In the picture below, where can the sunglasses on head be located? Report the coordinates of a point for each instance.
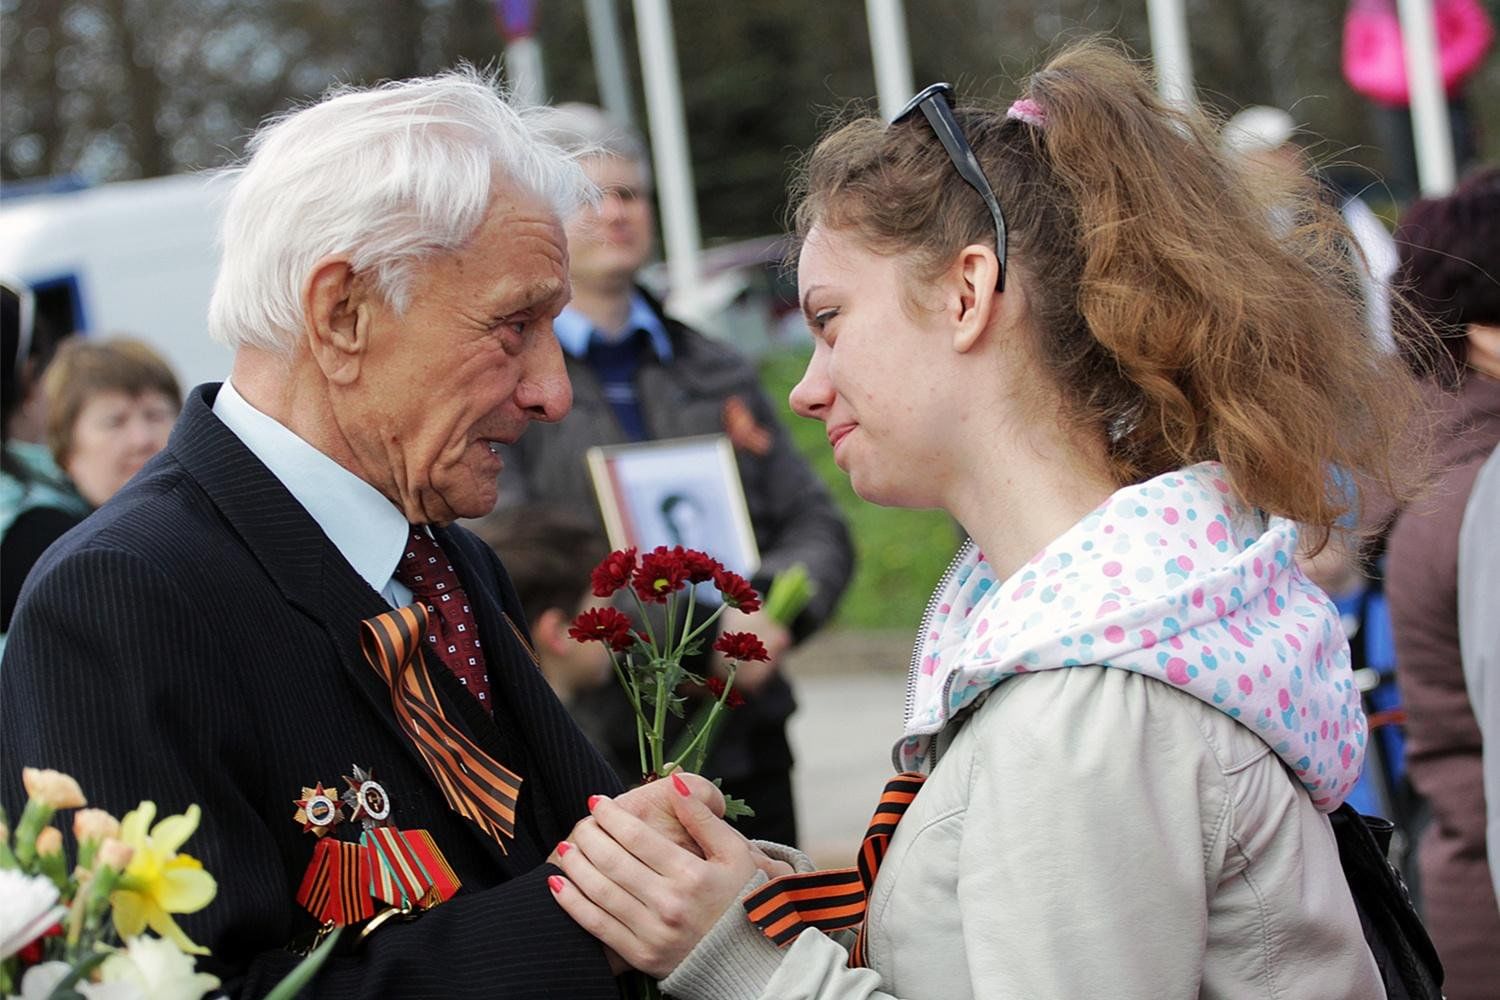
(935, 103)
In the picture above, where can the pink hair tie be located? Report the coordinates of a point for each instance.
(1028, 111)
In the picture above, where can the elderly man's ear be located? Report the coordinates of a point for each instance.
(337, 306)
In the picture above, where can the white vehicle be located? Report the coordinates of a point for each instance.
(134, 257)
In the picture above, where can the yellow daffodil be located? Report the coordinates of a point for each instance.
(158, 881)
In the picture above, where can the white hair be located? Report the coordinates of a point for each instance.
(390, 176)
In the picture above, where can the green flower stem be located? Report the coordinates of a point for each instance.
(627, 681)
(33, 818)
(707, 622)
(86, 851)
(55, 867)
(687, 620)
(105, 881)
(686, 758)
(660, 722)
(671, 626)
(645, 618)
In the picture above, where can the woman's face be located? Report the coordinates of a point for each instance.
(879, 379)
(114, 435)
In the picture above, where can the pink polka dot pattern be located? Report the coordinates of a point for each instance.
(1174, 579)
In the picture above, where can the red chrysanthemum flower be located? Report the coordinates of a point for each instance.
(613, 573)
(715, 687)
(744, 646)
(701, 567)
(736, 591)
(662, 572)
(607, 625)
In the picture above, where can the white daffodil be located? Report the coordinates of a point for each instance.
(158, 969)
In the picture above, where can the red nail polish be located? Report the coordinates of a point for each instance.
(554, 883)
(681, 786)
(563, 848)
(594, 801)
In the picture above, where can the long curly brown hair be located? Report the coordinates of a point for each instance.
(1186, 311)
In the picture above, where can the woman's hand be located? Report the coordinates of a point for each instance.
(647, 899)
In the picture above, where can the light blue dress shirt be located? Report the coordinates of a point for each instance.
(574, 330)
(368, 530)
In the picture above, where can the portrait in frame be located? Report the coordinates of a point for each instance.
(681, 491)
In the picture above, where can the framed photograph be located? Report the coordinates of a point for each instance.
(684, 491)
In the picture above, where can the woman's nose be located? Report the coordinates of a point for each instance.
(813, 393)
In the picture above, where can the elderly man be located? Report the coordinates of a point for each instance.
(638, 375)
(228, 630)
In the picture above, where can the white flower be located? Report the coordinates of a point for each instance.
(30, 908)
(40, 980)
(158, 969)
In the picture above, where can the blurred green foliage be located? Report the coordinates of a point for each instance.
(901, 553)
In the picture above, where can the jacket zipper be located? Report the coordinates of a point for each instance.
(916, 651)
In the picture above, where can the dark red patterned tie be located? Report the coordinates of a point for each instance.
(453, 634)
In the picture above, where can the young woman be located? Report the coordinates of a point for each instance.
(1132, 712)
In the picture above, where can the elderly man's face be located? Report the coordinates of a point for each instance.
(465, 368)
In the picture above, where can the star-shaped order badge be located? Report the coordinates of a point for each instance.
(366, 799)
(318, 810)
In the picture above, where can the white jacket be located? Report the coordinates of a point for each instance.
(1129, 826)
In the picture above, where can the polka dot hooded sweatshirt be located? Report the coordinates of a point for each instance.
(1176, 579)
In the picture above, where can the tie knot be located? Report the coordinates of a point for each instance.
(424, 567)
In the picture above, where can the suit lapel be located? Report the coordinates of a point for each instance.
(307, 568)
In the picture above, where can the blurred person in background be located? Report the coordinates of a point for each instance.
(549, 554)
(110, 408)
(37, 504)
(1450, 271)
(1129, 715)
(638, 375)
(1264, 138)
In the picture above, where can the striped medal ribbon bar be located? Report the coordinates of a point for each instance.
(475, 785)
(834, 900)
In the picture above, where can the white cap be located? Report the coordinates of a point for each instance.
(1257, 129)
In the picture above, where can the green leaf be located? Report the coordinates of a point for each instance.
(299, 977)
(735, 808)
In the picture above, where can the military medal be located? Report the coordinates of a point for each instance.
(389, 867)
(334, 889)
(318, 811)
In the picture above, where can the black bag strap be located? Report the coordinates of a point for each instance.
(1409, 964)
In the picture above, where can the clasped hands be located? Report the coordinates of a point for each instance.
(649, 873)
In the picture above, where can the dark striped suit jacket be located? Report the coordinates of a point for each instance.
(197, 640)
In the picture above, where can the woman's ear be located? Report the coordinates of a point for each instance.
(336, 306)
(976, 272)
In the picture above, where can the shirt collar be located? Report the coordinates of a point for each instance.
(574, 330)
(367, 529)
